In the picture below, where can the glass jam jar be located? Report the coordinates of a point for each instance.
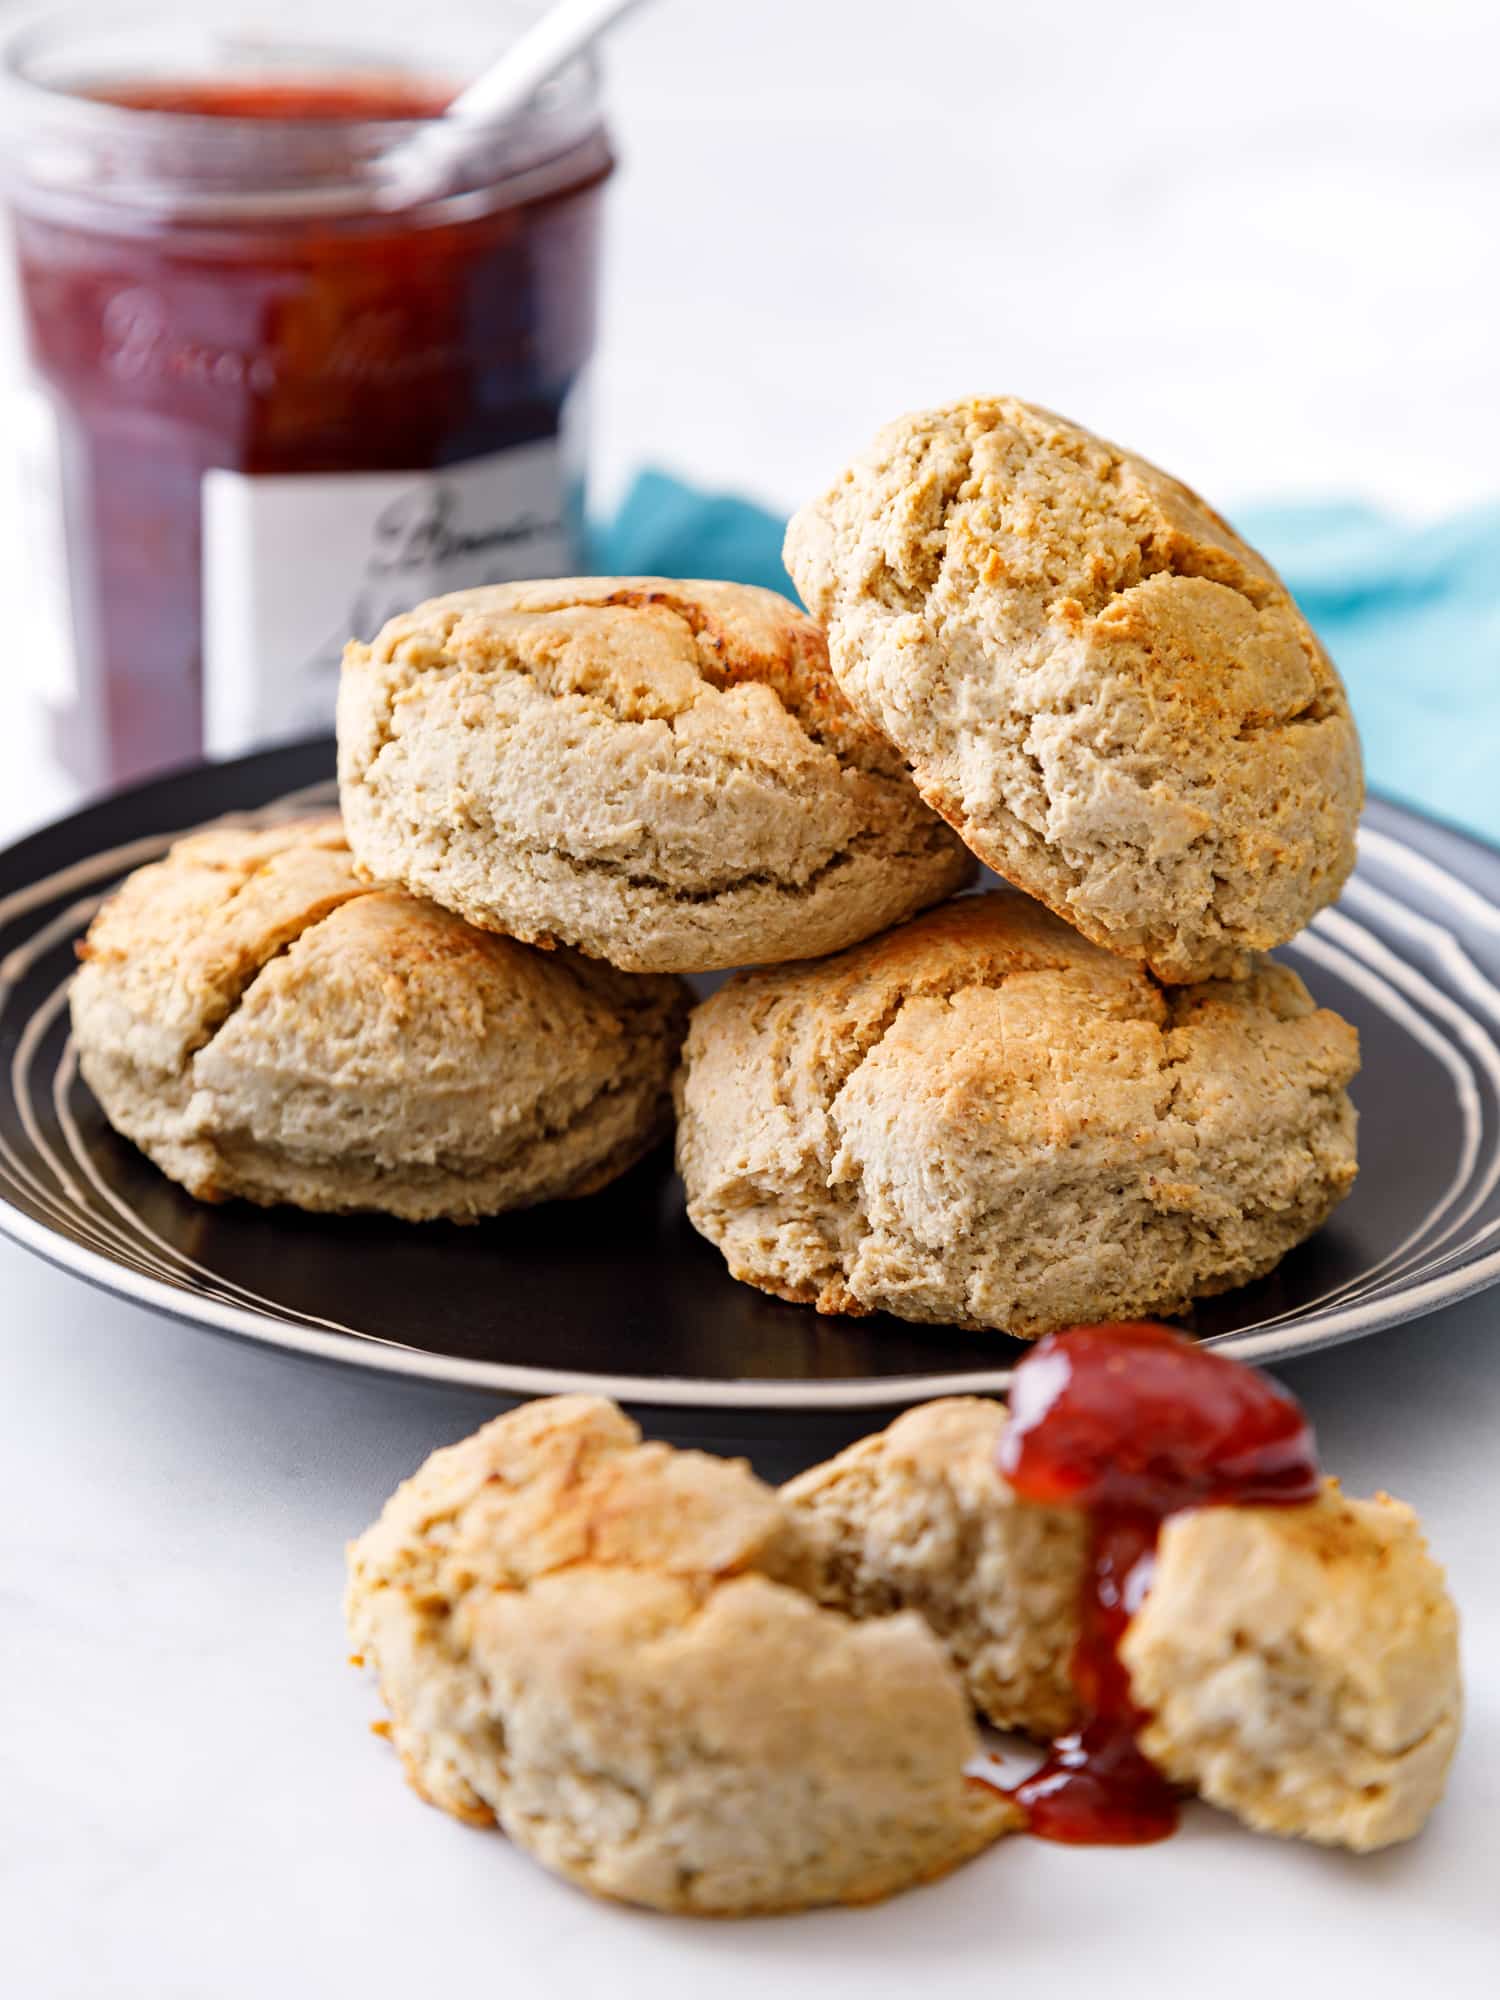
(273, 399)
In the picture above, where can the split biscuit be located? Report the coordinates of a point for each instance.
(609, 1647)
(916, 1518)
(1299, 1664)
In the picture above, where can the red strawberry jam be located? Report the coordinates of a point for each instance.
(231, 324)
(1133, 1422)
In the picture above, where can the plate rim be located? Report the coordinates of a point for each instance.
(855, 1392)
(269, 1329)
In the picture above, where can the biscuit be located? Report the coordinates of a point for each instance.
(983, 1120)
(916, 1518)
(607, 1646)
(662, 774)
(1112, 698)
(1299, 1664)
(263, 1023)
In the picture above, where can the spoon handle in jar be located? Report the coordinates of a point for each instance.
(417, 168)
(561, 33)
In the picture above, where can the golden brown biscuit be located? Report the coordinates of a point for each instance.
(1112, 698)
(660, 773)
(261, 1022)
(981, 1119)
(1301, 1667)
(608, 1646)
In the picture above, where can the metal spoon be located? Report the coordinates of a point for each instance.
(420, 165)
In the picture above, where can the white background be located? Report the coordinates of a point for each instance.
(1262, 245)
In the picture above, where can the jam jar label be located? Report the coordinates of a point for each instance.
(295, 564)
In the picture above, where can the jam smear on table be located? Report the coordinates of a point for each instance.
(1133, 1423)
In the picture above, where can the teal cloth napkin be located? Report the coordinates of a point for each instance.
(1411, 615)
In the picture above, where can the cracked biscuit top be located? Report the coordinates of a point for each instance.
(981, 1119)
(661, 773)
(264, 1023)
(1111, 696)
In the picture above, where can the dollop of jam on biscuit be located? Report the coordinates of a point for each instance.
(1133, 1423)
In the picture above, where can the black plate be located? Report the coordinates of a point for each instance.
(617, 1293)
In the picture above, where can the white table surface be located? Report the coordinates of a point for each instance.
(1261, 248)
(192, 1808)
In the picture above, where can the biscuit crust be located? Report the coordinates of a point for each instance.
(264, 1023)
(663, 774)
(608, 1647)
(1110, 695)
(1301, 1667)
(982, 1120)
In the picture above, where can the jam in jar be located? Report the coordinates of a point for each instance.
(274, 396)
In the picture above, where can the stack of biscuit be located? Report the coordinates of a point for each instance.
(1085, 1096)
